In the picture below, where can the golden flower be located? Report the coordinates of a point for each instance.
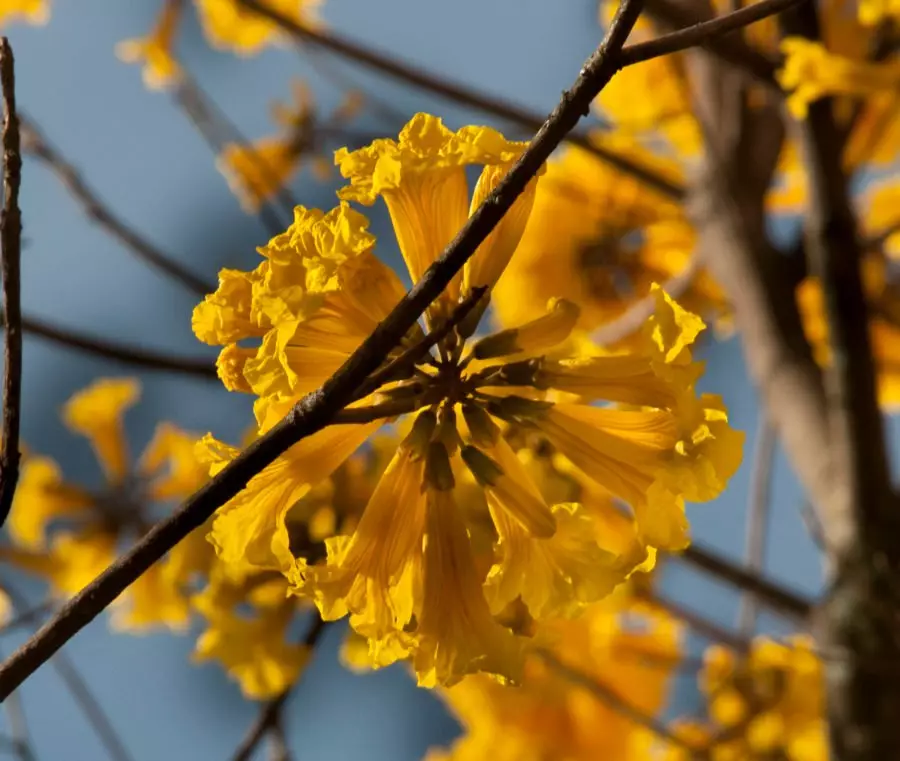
(161, 70)
(258, 171)
(600, 238)
(230, 26)
(32, 11)
(455, 530)
(551, 715)
(69, 534)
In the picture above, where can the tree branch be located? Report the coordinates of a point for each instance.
(270, 714)
(10, 257)
(417, 76)
(128, 355)
(34, 144)
(757, 518)
(316, 410)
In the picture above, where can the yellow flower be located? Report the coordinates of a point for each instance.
(872, 12)
(161, 70)
(811, 72)
(779, 688)
(254, 649)
(69, 534)
(258, 171)
(32, 11)
(230, 26)
(599, 238)
(456, 533)
(616, 642)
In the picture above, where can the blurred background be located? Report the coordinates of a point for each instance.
(145, 159)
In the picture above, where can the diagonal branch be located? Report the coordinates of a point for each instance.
(36, 145)
(11, 245)
(270, 715)
(316, 410)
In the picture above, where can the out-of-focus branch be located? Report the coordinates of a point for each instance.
(768, 592)
(757, 518)
(217, 131)
(616, 702)
(36, 145)
(699, 623)
(10, 256)
(862, 527)
(417, 76)
(271, 714)
(128, 355)
(316, 410)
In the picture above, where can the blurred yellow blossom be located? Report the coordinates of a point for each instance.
(32, 11)
(230, 26)
(161, 70)
(69, 534)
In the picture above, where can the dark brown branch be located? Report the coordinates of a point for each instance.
(732, 50)
(757, 518)
(772, 594)
(417, 76)
(10, 260)
(270, 714)
(316, 410)
(128, 355)
(704, 33)
(698, 623)
(382, 411)
(34, 144)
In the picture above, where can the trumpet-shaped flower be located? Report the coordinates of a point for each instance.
(456, 534)
(69, 534)
(161, 70)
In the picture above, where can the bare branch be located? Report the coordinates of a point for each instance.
(704, 33)
(10, 256)
(270, 715)
(128, 355)
(772, 594)
(757, 518)
(417, 76)
(700, 624)
(35, 144)
(316, 410)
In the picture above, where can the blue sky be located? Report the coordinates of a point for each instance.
(142, 155)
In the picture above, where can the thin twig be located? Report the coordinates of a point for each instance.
(10, 256)
(607, 695)
(28, 617)
(36, 145)
(699, 623)
(757, 518)
(703, 33)
(19, 737)
(417, 76)
(770, 593)
(731, 50)
(316, 410)
(217, 132)
(90, 707)
(80, 692)
(270, 714)
(384, 410)
(129, 355)
(403, 363)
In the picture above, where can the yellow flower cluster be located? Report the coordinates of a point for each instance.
(620, 644)
(769, 704)
(32, 11)
(412, 576)
(69, 534)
